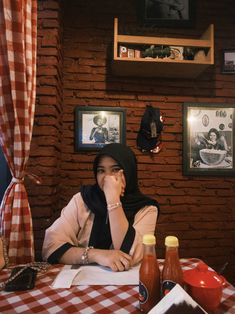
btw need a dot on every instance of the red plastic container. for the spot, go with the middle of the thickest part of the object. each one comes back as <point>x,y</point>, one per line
<point>204,286</point>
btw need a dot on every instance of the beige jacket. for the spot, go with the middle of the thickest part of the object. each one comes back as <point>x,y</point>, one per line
<point>75,223</point>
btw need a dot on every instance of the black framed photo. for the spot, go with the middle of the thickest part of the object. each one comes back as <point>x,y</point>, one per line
<point>167,13</point>
<point>99,126</point>
<point>228,61</point>
<point>208,139</point>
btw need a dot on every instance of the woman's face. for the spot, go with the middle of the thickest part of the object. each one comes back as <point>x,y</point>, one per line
<point>107,166</point>
<point>213,136</point>
<point>99,122</point>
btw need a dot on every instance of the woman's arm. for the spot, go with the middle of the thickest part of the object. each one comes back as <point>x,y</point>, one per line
<point>63,233</point>
<point>113,188</point>
<point>124,235</point>
<point>223,142</point>
<point>93,131</point>
<point>66,240</point>
<point>114,259</point>
<point>144,223</point>
<point>118,225</point>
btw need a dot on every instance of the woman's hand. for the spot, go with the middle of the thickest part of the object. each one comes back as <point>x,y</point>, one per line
<point>114,259</point>
<point>211,142</point>
<point>114,186</point>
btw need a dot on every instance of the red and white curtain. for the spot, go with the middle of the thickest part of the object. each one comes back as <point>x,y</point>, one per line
<point>18,41</point>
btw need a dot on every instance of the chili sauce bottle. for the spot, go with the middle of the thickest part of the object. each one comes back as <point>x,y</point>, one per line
<point>172,272</point>
<point>149,276</point>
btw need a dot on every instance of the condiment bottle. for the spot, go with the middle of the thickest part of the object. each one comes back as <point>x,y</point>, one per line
<point>172,272</point>
<point>149,275</point>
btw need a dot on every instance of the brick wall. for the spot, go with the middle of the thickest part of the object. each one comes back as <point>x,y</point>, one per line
<point>74,55</point>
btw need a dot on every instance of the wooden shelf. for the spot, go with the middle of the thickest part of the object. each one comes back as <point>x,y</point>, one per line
<point>161,67</point>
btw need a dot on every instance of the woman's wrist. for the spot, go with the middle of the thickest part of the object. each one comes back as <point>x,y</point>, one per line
<point>112,199</point>
<point>113,206</point>
<point>94,255</point>
<point>84,258</point>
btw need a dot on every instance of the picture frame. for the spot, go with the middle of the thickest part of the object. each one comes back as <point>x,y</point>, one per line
<point>208,139</point>
<point>158,13</point>
<point>228,61</point>
<point>96,127</point>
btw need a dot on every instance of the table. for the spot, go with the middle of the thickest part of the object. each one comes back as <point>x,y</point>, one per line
<point>87,299</point>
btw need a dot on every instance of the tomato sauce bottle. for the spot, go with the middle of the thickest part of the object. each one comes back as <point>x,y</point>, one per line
<point>172,272</point>
<point>149,276</point>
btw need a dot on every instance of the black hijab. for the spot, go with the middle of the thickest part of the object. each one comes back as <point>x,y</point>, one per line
<point>132,201</point>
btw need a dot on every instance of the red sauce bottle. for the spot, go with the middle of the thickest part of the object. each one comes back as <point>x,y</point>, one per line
<point>149,285</point>
<point>172,272</point>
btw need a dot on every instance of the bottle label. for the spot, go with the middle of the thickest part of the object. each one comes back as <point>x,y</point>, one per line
<point>167,285</point>
<point>143,293</point>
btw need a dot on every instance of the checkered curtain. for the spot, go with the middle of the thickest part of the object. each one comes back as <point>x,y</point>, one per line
<point>18,39</point>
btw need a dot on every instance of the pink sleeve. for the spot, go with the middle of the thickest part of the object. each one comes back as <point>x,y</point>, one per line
<point>145,222</point>
<point>67,227</point>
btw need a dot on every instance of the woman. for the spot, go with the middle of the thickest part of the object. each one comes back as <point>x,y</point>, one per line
<point>99,133</point>
<point>213,141</point>
<point>105,222</point>
<point>216,141</point>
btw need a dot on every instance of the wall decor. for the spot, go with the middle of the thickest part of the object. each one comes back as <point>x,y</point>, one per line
<point>98,126</point>
<point>209,139</point>
<point>228,61</point>
<point>165,13</point>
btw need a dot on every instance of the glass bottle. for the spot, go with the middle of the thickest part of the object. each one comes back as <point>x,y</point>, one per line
<point>149,276</point>
<point>172,272</point>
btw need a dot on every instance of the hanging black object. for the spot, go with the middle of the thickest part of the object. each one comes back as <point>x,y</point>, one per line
<point>149,135</point>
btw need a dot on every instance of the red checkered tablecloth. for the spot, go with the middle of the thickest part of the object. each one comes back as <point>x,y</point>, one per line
<point>87,299</point>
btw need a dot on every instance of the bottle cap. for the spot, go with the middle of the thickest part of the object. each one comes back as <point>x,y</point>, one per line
<point>171,241</point>
<point>149,239</point>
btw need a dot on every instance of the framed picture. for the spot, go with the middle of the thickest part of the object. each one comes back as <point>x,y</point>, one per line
<point>165,13</point>
<point>208,139</point>
<point>98,126</point>
<point>228,61</point>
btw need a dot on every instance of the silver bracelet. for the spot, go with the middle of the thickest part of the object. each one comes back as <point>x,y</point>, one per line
<point>111,207</point>
<point>84,257</point>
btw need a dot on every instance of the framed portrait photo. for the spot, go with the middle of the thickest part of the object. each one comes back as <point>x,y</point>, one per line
<point>167,13</point>
<point>208,139</point>
<point>99,126</point>
<point>228,61</point>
